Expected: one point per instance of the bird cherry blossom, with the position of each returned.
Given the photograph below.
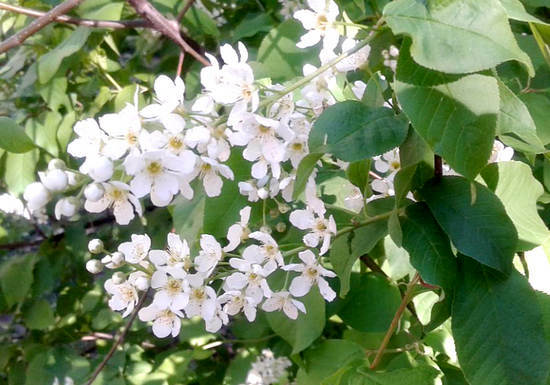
(311, 273)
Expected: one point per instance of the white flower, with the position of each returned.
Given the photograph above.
(388, 162)
(354, 201)
(66, 207)
(165, 321)
(209, 140)
(54, 180)
(99, 168)
(318, 22)
(312, 273)
(283, 301)
(94, 266)
(269, 250)
(155, 172)
(209, 255)
(390, 57)
(235, 301)
(501, 153)
(91, 139)
(320, 228)
(36, 196)
(239, 231)
(254, 189)
(251, 276)
(209, 171)
(202, 299)
(384, 188)
(117, 195)
(12, 205)
(175, 260)
(124, 130)
(267, 370)
(124, 296)
(171, 292)
(355, 60)
(94, 192)
(114, 260)
(219, 319)
(170, 95)
(317, 94)
(359, 88)
(136, 251)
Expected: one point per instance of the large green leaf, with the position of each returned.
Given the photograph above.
(20, 170)
(39, 316)
(342, 261)
(515, 125)
(300, 333)
(497, 327)
(519, 191)
(428, 246)
(538, 106)
(456, 36)
(16, 278)
(377, 300)
(420, 375)
(515, 10)
(475, 220)
(305, 168)
(455, 116)
(13, 137)
(352, 131)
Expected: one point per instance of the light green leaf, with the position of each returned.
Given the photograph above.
(300, 333)
(428, 246)
(20, 170)
(13, 137)
(515, 126)
(538, 106)
(519, 191)
(251, 25)
(475, 220)
(420, 375)
(378, 300)
(188, 216)
(49, 63)
(305, 168)
(280, 56)
(456, 36)
(39, 316)
(497, 327)
(455, 116)
(352, 131)
(16, 278)
(515, 10)
(200, 23)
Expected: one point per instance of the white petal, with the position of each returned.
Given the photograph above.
(300, 286)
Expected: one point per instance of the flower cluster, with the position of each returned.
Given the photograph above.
(267, 369)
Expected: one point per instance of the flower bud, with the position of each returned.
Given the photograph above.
(54, 180)
(36, 195)
(94, 192)
(118, 277)
(98, 168)
(273, 213)
(66, 207)
(265, 229)
(141, 283)
(283, 208)
(56, 164)
(280, 227)
(117, 258)
(94, 266)
(95, 246)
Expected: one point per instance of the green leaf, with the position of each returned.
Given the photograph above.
(13, 137)
(352, 131)
(305, 168)
(251, 25)
(326, 359)
(358, 174)
(49, 63)
(300, 333)
(515, 10)
(420, 375)
(518, 190)
(20, 170)
(378, 300)
(200, 23)
(279, 55)
(456, 36)
(39, 316)
(515, 126)
(16, 278)
(538, 106)
(450, 113)
(428, 246)
(475, 220)
(342, 261)
(497, 327)
(188, 216)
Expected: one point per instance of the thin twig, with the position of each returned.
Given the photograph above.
(184, 10)
(169, 28)
(38, 24)
(76, 21)
(180, 64)
(119, 340)
(406, 298)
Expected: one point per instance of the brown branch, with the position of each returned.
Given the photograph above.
(76, 21)
(38, 24)
(406, 299)
(184, 10)
(438, 166)
(166, 27)
(119, 340)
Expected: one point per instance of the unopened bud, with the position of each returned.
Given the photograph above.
(54, 180)
(56, 164)
(283, 208)
(94, 192)
(117, 258)
(36, 195)
(265, 229)
(95, 246)
(118, 277)
(94, 266)
(141, 283)
(280, 227)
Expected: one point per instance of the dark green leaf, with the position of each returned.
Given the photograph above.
(305, 168)
(39, 316)
(16, 278)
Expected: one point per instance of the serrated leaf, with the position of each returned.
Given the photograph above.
(518, 190)
(497, 327)
(352, 131)
(450, 113)
(456, 36)
(428, 246)
(474, 219)
(13, 137)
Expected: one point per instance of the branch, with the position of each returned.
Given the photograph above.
(38, 24)
(168, 28)
(406, 298)
(119, 340)
(76, 21)
(184, 10)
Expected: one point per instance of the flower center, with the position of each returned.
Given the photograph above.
(154, 168)
(395, 164)
(322, 21)
(117, 195)
(175, 143)
(198, 294)
(321, 225)
(131, 138)
(264, 129)
(127, 293)
(311, 272)
(173, 286)
(297, 146)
